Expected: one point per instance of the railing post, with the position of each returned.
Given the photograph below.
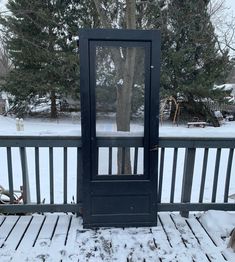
(187, 178)
(25, 176)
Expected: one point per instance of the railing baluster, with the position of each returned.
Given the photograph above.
(123, 160)
(173, 175)
(37, 174)
(135, 161)
(187, 177)
(51, 171)
(25, 176)
(110, 160)
(97, 161)
(203, 177)
(65, 175)
(161, 175)
(10, 174)
(216, 175)
(228, 174)
(79, 178)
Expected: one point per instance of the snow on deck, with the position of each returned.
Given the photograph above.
(61, 237)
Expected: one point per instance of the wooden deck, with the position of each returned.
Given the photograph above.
(61, 237)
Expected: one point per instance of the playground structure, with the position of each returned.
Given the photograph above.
(164, 110)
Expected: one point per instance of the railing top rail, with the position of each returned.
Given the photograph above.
(40, 141)
(116, 141)
(197, 142)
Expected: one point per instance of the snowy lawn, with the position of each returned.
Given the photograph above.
(71, 126)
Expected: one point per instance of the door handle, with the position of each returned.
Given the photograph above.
(155, 148)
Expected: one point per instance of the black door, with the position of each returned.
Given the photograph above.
(119, 72)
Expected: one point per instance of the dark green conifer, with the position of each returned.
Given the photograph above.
(38, 38)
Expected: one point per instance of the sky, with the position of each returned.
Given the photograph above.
(231, 4)
(2, 2)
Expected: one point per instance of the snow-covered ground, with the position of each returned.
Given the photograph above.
(221, 222)
(71, 126)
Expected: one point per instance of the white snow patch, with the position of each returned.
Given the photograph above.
(219, 222)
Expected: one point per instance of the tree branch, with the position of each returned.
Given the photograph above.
(115, 52)
(104, 19)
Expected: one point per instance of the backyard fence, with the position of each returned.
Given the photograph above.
(194, 174)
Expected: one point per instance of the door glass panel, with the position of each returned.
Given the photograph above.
(120, 83)
(120, 90)
(111, 167)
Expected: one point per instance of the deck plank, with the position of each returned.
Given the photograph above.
(46, 233)
(62, 237)
(189, 239)
(6, 228)
(2, 218)
(17, 233)
(71, 244)
(164, 249)
(92, 245)
(220, 243)
(41, 250)
(130, 245)
(174, 237)
(206, 243)
(32, 232)
(15, 237)
(59, 238)
(27, 243)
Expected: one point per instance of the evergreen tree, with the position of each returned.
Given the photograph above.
(38, 37)
(192, 62)
(46, 61)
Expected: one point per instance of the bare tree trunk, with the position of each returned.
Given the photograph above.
(124, 93)
(130, 14)
(124, 97)
(53, 105)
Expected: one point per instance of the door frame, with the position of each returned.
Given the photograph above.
(87, 39)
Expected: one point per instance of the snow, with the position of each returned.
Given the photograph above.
(2, 5)
(71, 127)
(226, 130)
(226, 87)
(219, 222)
(40, 127)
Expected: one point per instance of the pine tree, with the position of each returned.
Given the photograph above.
(37, 35)
(192, 62)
